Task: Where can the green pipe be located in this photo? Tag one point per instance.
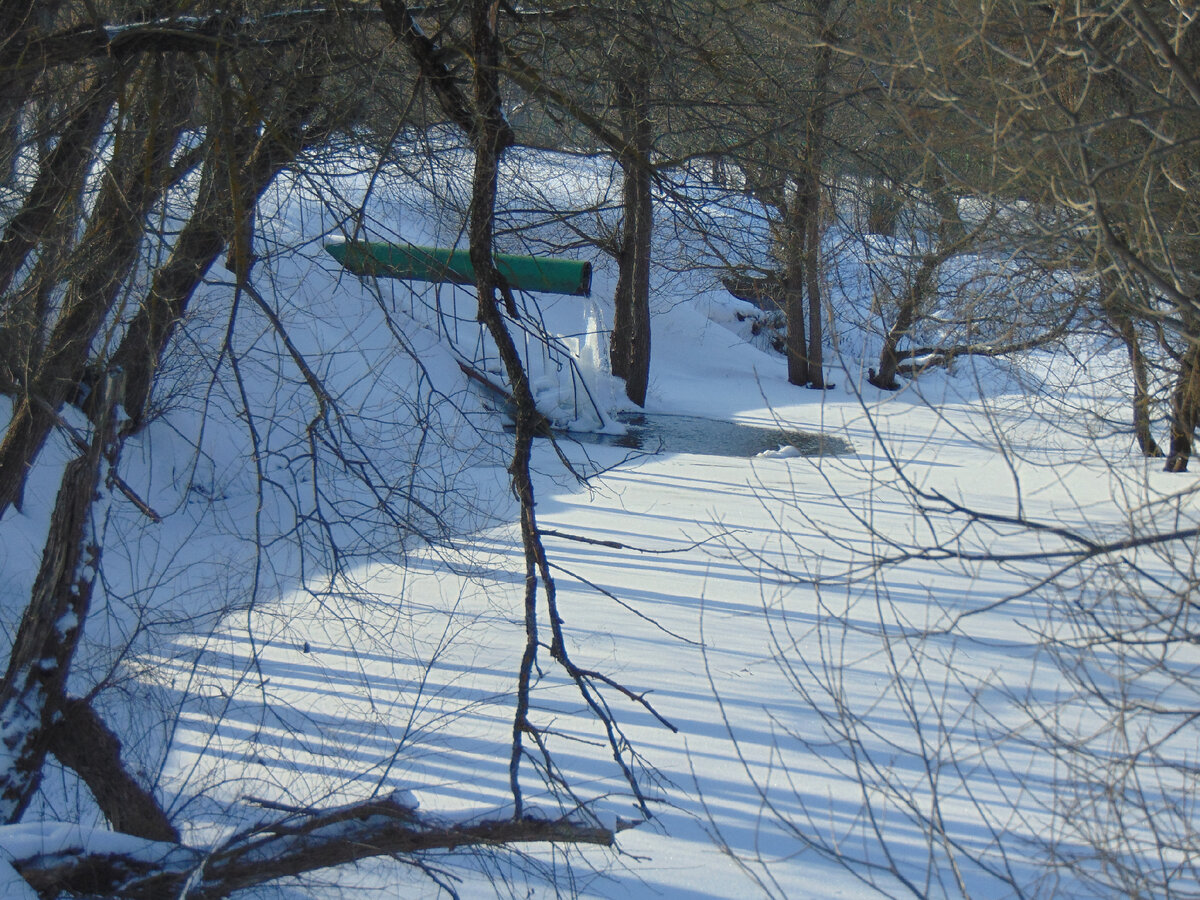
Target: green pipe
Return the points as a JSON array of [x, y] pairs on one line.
[[524, 273]]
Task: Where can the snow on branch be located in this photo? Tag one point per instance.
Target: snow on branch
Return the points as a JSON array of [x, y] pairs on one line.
[[63, 859]]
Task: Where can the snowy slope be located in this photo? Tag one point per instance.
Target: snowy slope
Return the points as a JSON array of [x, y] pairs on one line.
[[358, 655]]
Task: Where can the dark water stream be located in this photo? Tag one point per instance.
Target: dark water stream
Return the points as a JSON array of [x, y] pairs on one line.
[[654, 433]]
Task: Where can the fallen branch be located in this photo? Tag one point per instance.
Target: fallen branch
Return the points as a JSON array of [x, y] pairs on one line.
[[931, 357], [291, 846]]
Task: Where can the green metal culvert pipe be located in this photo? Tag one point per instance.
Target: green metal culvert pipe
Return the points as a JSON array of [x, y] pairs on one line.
[[526, 273]]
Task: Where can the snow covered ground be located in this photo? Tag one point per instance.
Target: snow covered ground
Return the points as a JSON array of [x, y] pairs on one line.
[[832, 723]]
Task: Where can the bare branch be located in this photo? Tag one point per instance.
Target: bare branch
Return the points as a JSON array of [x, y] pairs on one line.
[[291, 846]]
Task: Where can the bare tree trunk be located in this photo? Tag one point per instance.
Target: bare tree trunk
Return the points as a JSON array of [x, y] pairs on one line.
[[802, 263], [1185, 409], [794, 231], [197, 248], [491, 136], [254, 154], [951, 237], [812, 284], [28, 312], [10, 146], [431, 61], [60, 173], [32, 691], [18, 19], [810, 190], [82, 742], [1115, 307], [912, 301], [135, 180], [629, 350]]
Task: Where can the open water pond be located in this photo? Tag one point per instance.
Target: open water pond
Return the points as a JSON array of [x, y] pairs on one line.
[[658, 433]]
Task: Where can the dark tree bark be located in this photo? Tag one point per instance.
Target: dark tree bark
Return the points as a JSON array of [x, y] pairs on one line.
[[812, 162], [812, 282], [1185, 409], [60, 172], [794, 231], [28, 312], [491, 136], [135, 180], [16, 16], [199, 244], [1116, 307], [82, 742], [235, 177], [303, 841], [629, 349], [32, 690], [952, 237], [18, 19], [914, 298], [797, 200], [432, 61]]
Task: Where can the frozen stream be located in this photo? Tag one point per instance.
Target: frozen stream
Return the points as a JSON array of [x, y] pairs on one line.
[[659, 433]]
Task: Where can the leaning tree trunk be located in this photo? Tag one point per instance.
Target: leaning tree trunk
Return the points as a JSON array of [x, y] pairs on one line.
[[134, 180], [294, 844], [490, 136], [28, 312], [59, 171], [33, 689], [81, 741], [911, 303], [629, 350], [952, 237], [255, 152]]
